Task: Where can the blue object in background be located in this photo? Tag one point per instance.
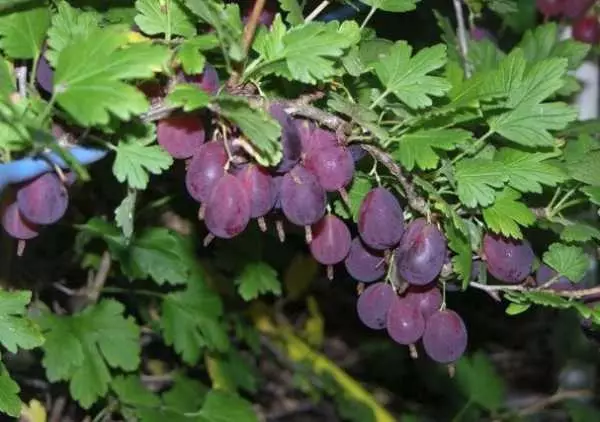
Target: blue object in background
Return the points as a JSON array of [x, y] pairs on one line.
[[19, 171]]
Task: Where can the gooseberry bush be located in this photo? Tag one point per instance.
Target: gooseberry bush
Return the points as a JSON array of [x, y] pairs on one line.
[[245, 151]]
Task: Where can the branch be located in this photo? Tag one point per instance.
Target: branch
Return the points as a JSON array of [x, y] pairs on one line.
[[252, 24], [574, 294], [462, 36], [557, 397]]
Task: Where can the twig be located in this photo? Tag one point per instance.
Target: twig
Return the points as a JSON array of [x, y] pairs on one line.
[[557, 397], [57, 409], [462, 36], [252, 24], [317, 10], [21, 73], [574, 294], [94, 289]]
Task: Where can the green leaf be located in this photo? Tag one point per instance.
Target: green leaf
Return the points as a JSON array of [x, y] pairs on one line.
[[160, 254], [94, 338], [484, 55], [10, 403], [189, 52], [135, 158], [220, 406], [360, 114], [294, 12], [361, 185], [477, 179], [91, 69], [585, 169], [392, 5], [306, 53], [527, 172], [580, 232], [593, 193], [257, 278], [225, 20], [420, 147], [68, 25], [131, 391], [16, 330], [190, 322], [231, 372], [480, 381], [22, 32], [164, 17], [461, 245], [529, 125], [7, 79], [124, 213], [257, 125], [517, 308], [570, 261], [188, 96], [540, 81], [506, 214], [407, 77]]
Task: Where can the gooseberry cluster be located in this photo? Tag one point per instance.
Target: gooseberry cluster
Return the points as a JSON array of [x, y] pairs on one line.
[[580, 13]]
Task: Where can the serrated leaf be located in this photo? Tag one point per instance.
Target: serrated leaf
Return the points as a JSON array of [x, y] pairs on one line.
[[420, 147], [546, 299], [190, 322], [124, 213], [506, 214], [22, 32], [579, 232], [91, 70], [94, 338], [135, 159], [16, 330], [361, 185], [407, 77], [527, 172], [392, 5], [306, 53], [10, 403], [161, 17], [188, 96], [484, 55], [190, 51], [68, 24], [360, 114], [586, 169], [257, 278], [131, 391], [480, 381], [157, 253], [570, 261], [220, 406], [517, 308], [262, 130], [460, 243], [539, 82], [294, 11], [477, 179], [529, 125], [7, 79], [593, 193]]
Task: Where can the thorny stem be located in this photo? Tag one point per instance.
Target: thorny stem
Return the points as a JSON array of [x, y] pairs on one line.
[[368, 17], [462, 36], [574, 294], [252, 24]]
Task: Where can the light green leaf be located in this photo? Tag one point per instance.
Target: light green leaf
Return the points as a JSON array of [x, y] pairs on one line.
[[10, 403], [407, 77], [16, 330], [231, 371], [517, 308], [420, 147], [392, 5], [7, 79], [294, 11], [68, 25], [262, 130], [580, 232], [506, 214], [361, 185], [480, 381], [477, 179], [570, 261], [257, 278], [22, 32], [94, 338], [189, 52], [190, 322], [593, 193], [91, 69], [135, 158], [188, 96], [461, 245], [586, 169], [527, 172], [164, 17], [360, 114], [306, 53], [220, 406], [124, 213], [131, 391], [529, 125], [540, 81], [484, 55]]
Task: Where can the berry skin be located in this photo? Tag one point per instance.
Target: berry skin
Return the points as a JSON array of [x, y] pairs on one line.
[[587, 30]]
